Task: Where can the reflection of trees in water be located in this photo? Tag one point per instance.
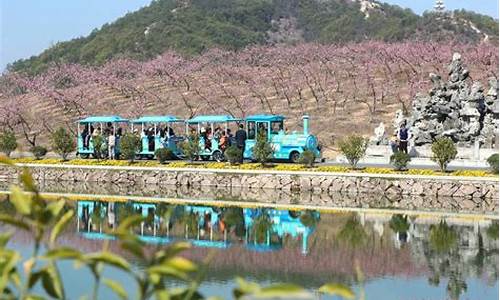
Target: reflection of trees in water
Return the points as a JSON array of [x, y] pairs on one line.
[[309, 219], [455, 254], [353, 233], [442, 237], [261, 228], [234, 220], [492, 230], [399, 223]]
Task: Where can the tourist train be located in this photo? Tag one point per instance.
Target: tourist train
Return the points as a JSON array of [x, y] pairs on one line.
[[213, 133]]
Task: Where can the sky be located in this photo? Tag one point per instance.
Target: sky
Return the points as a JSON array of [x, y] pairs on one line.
[[27, 27]]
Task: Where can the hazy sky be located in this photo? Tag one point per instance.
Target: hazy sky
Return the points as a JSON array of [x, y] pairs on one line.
[[30, 26]]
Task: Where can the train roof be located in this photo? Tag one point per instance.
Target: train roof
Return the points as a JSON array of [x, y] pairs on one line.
[[212, 119], [264, 117], [103, 119], [157, 119]]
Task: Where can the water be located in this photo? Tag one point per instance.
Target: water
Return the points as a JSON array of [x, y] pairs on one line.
[[401, 257]]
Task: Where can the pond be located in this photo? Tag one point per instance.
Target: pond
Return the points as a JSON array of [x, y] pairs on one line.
[[417, 256]]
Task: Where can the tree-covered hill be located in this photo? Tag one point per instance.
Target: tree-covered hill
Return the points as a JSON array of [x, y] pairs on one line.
[[193, 26]]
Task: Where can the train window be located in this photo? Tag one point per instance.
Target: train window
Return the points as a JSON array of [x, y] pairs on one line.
[[276, 127], [251, 130], [262, 127]]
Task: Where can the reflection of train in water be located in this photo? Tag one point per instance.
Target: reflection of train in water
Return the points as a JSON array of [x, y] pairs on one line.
[[214, 134], [260, 229]]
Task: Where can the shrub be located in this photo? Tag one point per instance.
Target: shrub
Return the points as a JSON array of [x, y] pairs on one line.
[[8, 142], [399, 223], [39, 151], [400, 160], [164, 154], [63, 143], [307, 158], [354, 148], [191, 147], [129, 145], [233, 155], [98, 142], [443, 152], [262, 151], [493, 162]]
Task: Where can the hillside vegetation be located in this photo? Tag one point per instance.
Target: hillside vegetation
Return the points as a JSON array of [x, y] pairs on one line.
[[342, 88], [191, 27]]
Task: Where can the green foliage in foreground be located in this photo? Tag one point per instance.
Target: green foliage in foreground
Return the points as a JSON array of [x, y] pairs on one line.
[[45, 221], [63, 142], [8, 142]]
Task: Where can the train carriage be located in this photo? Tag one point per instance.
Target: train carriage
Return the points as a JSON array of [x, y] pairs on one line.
[[85, 144], [159, 137], [206, 128]]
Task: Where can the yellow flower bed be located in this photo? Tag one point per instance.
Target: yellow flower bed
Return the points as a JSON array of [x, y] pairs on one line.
[[422, 172], [379, 171], [178, 164], [471, 173], [289, 167], [215, 165], [249, 166], [333, 169]]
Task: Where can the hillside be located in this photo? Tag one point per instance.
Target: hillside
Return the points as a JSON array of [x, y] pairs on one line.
[[356, 86], [193, 26]]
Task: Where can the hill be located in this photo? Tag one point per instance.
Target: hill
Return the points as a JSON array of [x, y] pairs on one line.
[[193, 26], [356, 85]]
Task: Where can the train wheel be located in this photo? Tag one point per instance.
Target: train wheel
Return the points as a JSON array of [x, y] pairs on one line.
[[294, 157], [84, 155], [218, 156], [205, 157]]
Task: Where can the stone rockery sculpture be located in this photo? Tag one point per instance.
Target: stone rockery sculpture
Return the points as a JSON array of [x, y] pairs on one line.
[[458, 108]]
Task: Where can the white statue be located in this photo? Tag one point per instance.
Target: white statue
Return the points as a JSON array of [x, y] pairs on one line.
[[399, 118], [379, 136]]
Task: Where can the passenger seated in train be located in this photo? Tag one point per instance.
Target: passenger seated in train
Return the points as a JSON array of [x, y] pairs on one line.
[[217, 134], [85, 137], [230, 138], [170, 131], [205, 139], [223, 142], [151, 139], [119, 134]]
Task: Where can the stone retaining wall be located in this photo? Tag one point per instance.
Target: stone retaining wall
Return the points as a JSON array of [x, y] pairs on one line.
[[385, 184], [274, 196]]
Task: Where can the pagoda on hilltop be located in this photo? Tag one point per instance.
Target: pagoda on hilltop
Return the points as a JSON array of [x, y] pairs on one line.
[[439, 7]]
